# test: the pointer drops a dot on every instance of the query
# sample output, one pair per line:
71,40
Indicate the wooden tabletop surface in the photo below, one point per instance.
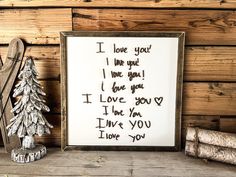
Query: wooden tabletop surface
114,163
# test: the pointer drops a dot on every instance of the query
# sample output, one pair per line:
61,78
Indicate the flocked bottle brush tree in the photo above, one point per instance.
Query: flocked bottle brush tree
29,120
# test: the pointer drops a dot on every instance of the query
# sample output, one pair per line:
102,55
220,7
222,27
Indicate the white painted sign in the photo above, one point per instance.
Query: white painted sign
122,91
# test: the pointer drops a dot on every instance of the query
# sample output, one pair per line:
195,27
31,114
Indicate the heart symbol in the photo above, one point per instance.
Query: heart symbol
158,100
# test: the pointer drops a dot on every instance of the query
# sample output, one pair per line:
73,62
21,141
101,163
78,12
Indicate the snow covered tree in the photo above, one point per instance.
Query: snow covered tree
29,120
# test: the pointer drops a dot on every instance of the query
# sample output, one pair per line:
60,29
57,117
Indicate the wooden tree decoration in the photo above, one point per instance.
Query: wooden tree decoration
29,120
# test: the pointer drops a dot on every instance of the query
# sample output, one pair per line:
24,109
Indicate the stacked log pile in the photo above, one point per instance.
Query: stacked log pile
211,145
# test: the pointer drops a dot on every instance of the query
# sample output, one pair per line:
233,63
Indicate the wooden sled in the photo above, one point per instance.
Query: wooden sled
8,73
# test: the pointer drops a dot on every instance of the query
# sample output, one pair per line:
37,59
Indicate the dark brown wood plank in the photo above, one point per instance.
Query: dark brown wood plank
213,27
54,139
228,124
201,63
52,89
35,26
122,3
205,122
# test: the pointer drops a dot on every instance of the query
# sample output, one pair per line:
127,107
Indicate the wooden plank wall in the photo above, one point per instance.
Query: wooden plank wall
209,98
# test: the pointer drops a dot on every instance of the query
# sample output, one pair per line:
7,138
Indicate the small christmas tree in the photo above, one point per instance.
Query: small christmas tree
29,120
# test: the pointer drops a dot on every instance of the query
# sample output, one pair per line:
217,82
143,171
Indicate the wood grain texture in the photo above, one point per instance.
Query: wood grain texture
122,3
207,96
115,164
35,26
54,139
205,122
201,63
228,124
8,74
47,60
210,64
209,99
198,98
215,27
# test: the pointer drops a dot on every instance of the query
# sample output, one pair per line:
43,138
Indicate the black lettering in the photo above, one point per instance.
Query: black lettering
117,88
142,100
148,124
104,73
112,136
118,62
140,124
110,123
131,63
102,86
134,87
120,50
100,47
105,110
100,123
132,124
87,98
137,137
115,74
101,134
133,75
107,61
101,100
133,113
110,99
116,112
139,50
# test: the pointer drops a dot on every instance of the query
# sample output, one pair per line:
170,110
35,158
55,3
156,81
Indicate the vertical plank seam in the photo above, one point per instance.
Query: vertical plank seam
71,16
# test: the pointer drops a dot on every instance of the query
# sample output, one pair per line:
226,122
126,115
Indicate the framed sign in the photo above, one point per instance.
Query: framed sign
122,90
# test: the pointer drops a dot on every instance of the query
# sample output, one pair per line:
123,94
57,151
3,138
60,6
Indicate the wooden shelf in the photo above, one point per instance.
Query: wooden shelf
114,163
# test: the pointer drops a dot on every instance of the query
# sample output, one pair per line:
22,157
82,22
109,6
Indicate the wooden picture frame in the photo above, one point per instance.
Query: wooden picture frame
71,41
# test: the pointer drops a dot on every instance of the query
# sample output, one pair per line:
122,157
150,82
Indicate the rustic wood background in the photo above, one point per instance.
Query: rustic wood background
209,98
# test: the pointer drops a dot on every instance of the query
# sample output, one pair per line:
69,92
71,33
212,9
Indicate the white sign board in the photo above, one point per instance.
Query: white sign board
122,91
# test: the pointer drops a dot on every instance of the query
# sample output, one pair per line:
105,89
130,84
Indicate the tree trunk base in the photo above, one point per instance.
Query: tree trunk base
28,155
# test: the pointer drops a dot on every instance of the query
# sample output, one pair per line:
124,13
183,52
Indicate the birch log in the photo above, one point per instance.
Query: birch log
211,137
206,151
